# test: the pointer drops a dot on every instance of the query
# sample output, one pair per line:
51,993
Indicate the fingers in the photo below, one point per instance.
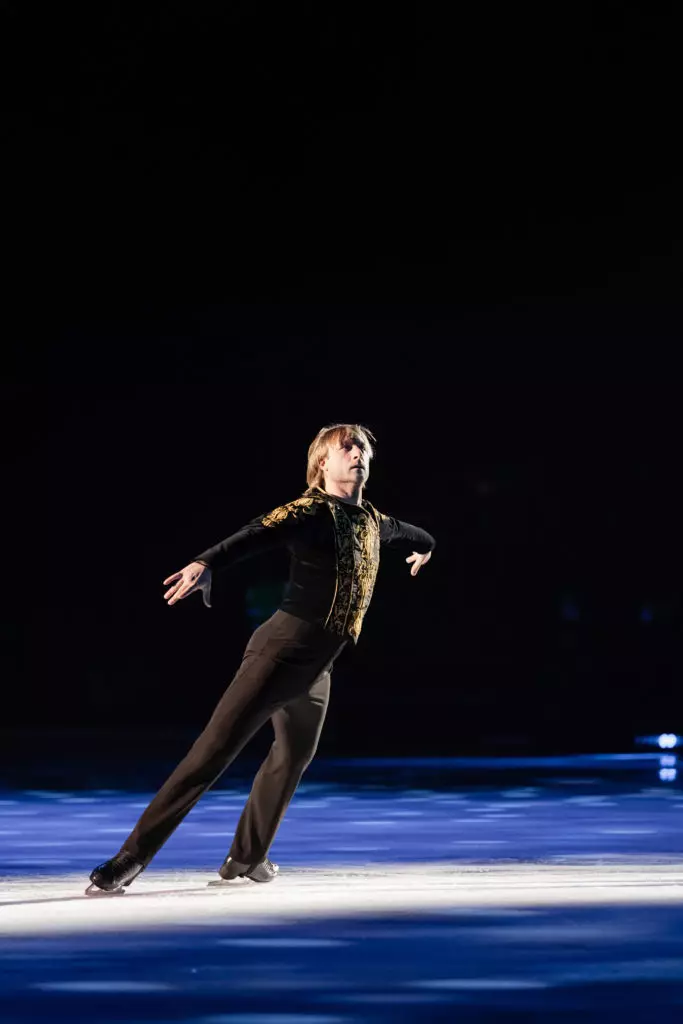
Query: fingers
185,582
419,560
414,558
173,590
180,590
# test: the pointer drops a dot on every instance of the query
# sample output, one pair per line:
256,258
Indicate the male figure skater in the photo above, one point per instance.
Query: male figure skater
333,535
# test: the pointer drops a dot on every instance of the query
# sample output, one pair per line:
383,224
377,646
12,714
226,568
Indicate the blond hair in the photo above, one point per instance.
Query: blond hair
336,433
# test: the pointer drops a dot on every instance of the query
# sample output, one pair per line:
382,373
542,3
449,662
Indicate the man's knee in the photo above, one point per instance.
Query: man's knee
295,756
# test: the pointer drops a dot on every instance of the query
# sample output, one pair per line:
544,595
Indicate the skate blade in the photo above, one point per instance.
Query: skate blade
222,882
94,890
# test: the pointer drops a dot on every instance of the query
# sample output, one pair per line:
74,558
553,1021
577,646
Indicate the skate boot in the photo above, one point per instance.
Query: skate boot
264,871
114,874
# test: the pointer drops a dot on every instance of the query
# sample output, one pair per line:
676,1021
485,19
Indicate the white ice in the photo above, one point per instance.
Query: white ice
56,905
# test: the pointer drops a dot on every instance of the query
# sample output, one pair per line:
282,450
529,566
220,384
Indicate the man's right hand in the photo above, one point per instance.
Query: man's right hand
194,576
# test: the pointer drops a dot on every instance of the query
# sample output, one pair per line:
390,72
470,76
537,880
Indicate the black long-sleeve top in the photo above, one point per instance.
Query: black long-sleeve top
334,548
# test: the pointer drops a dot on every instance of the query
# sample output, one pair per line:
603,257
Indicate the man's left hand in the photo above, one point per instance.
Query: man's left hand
419,561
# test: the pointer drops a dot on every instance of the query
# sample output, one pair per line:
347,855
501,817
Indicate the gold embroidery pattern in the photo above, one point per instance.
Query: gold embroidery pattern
343,539
357,542
278,515
367,534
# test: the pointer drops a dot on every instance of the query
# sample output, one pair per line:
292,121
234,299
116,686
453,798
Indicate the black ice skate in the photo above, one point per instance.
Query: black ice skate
114,874
264,871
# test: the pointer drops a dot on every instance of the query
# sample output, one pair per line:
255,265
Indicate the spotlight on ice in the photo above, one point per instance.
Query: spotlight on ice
667,741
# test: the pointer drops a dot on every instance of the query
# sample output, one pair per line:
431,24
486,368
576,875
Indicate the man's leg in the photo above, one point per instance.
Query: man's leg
297,728
282,657
239,714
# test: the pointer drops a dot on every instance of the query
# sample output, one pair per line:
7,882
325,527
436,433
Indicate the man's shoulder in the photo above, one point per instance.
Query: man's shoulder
307,504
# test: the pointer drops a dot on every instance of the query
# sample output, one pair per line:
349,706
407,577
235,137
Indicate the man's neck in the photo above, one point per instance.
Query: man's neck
350,493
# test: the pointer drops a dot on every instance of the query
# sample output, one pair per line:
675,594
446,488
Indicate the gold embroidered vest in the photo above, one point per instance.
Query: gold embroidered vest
357,557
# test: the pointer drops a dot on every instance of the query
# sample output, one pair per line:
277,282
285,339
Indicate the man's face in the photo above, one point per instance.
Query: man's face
347,461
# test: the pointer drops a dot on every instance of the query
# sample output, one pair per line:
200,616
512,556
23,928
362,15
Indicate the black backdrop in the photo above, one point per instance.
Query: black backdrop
225,229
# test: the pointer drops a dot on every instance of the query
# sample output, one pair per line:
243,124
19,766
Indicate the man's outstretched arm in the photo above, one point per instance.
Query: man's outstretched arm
404,536
252,539
263,533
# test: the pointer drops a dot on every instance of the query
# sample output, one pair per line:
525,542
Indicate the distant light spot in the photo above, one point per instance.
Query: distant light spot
667,740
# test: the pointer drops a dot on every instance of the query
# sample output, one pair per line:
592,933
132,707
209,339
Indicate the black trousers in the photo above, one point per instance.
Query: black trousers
284,676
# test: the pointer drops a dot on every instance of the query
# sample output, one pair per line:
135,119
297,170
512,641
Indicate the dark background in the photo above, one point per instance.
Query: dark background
227,225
